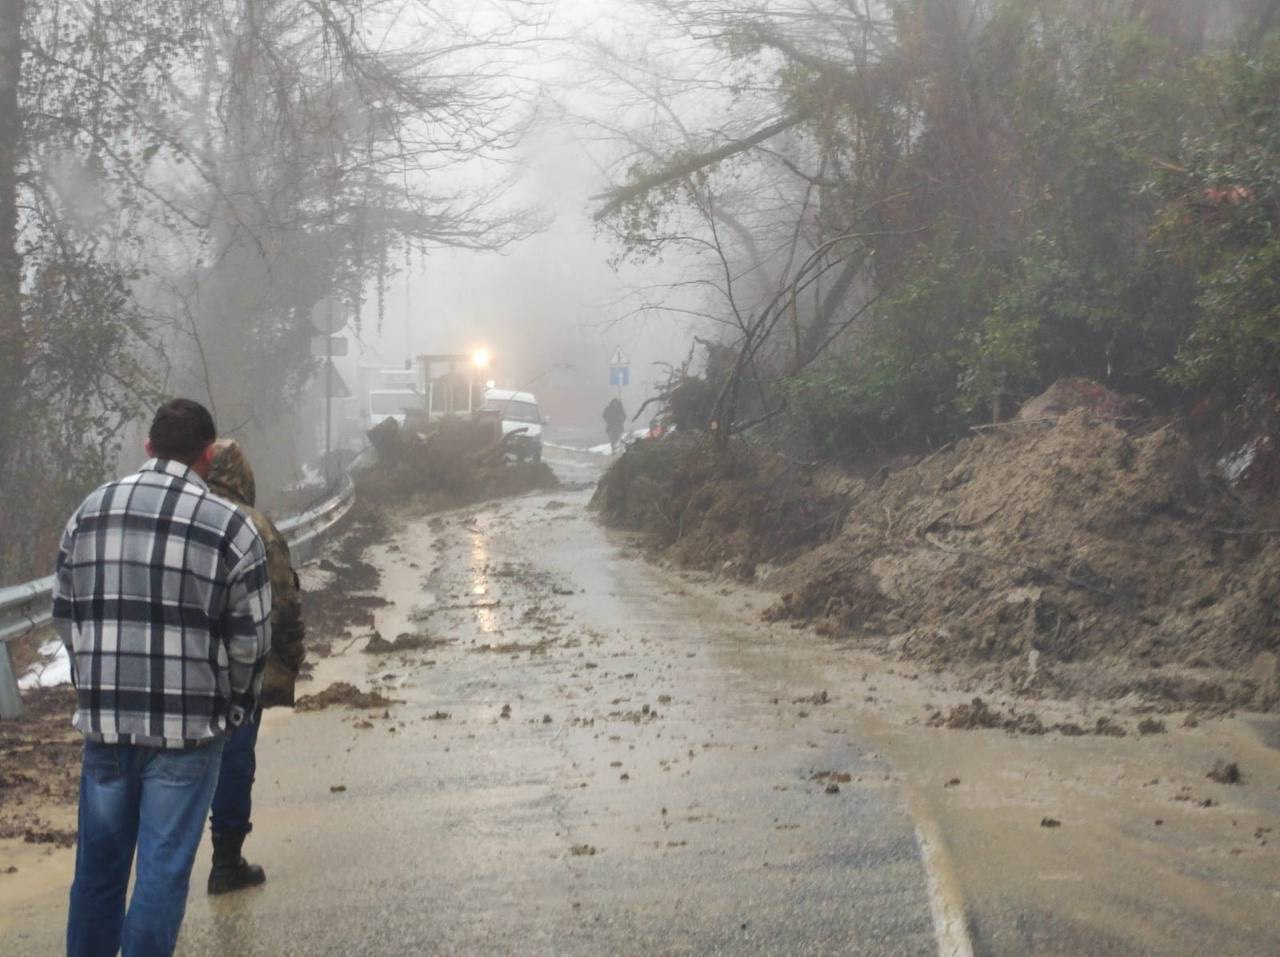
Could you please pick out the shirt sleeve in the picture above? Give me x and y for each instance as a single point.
(248, 626)
(64, 594)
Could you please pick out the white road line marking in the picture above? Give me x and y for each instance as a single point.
(949, 924)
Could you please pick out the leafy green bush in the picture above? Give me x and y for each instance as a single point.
(1223, 218)
(1139, 245)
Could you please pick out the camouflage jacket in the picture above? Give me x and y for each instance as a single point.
(231, 478)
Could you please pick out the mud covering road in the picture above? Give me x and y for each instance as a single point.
(570, 750)
(576, 767)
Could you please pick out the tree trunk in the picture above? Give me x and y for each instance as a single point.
(13, 347)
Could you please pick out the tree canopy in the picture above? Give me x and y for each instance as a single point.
(181, 180)
(946, 205)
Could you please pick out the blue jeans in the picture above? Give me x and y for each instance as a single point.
(233, 799)
(151, 799)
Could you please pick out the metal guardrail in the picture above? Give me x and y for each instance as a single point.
(28, 606)
(305, 533)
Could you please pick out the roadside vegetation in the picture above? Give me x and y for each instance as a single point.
(916, 215)
(182, 181)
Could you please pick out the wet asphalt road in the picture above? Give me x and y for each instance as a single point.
(584, 767)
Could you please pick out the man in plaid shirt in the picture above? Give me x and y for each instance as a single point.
(163, 602)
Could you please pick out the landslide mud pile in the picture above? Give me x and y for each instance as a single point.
(1057, 554)
(448, 464)
(1060, 556)
(759, 509)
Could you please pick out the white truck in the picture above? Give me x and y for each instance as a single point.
(393, 404)
(521, 416)
(386, 393)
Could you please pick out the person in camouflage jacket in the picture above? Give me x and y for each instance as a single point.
(231, 478)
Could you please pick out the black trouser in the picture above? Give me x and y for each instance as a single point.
(233, 798)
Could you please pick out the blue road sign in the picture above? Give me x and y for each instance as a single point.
(619, 375)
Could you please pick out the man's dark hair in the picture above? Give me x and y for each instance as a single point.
(181, 430)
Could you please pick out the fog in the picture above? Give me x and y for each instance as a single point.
(762, 476)
(877, 221)
(555, 307)
(551, 309)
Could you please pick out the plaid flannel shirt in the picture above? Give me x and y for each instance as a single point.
(162, 599)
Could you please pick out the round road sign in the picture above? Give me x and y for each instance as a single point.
(328, 315)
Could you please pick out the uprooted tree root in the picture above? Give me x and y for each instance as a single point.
(745, 510)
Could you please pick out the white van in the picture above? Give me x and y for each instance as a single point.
(398, 379)
(520, 413)
(392, 404)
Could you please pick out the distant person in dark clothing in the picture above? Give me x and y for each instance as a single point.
(162, 599)
(615, 417)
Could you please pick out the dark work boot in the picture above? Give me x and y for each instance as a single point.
(230, 871)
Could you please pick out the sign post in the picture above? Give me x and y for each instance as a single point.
(327, 316)
(331, 346)
(619, 371)
(337, 385)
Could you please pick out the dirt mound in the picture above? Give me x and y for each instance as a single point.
(1068, 395)
(330, 612)
(377, 645)
(39, 766)
(454, 462)
(343, 693)
(1062, 555)
(753, 508)
(1224, 772)
(978, 715)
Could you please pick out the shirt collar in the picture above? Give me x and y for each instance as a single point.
(176, 469)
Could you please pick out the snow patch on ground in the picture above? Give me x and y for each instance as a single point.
(632, 436)
(53, 669)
